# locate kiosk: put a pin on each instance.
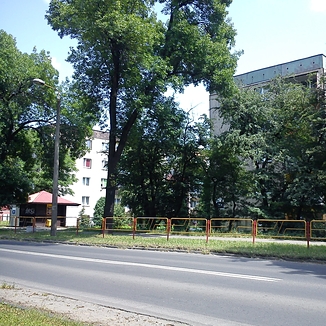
(39, 206)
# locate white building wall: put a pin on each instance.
(88, 189)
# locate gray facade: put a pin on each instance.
(305, 70)
(300, 70)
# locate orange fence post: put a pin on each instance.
(34, 224)
(254, 231)
(77, 226)
(103, 225)
(208, 229)
(168, 229)
(134, 226)
(308, 233)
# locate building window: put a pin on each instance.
(86, 181)
(104, 164)
(103, 183)
(105, 146)
(87, 163)
(89, 144)
(85, 200)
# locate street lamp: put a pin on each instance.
(54, 212)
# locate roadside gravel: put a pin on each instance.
(86, 312)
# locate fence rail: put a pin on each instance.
(231, 225)
(286, 229)
(318, 229)
(281, 228)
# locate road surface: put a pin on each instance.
(191, 288)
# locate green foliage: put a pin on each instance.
(119, 211)
(99, 212)
(15, 181)
(281, 133)
(84, 219)
(227, 181)
(27, 117)
(126, 58)
(160, 166)
(24, 111)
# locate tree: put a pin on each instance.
(22, 110)
(227, 181)
(99, 211)
(27, 115)
(159, 169)
(282, 132)
(126, 57)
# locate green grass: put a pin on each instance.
(17, 316)
(186, 244)
(7, 286)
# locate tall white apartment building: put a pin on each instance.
(92, 178)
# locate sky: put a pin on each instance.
(269, 32)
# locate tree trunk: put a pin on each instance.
(109, 207)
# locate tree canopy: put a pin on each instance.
(282, 135)
(126, 57)
(227, 182)
(160, 170)
(27, 116)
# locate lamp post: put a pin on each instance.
(54, 211)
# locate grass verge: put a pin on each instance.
(11, 315)
(187, 244)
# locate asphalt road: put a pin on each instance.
(193, 288)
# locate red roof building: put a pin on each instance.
(39, 207)
(44, 197)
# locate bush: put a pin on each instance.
(99, 212)
(85, 221)
(119, 211)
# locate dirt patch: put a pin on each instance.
(89, 313)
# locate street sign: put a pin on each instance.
(13, 211)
